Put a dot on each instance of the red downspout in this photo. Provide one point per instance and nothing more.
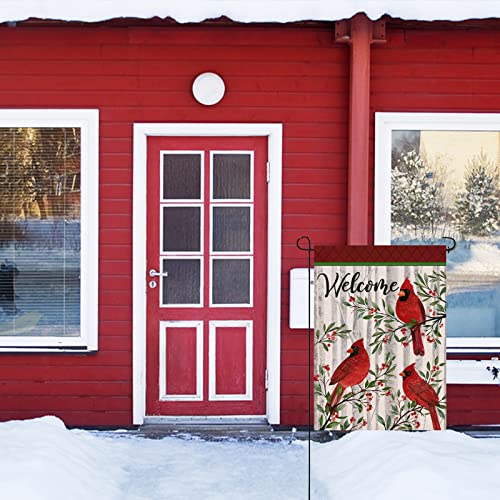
(359, 32)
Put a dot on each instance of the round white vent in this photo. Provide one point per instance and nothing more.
(208, 88)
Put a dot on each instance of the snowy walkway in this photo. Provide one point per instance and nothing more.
(180, 468)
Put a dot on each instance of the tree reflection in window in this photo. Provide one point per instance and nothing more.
(40, 231)
(447, 183)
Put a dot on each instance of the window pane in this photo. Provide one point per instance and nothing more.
(231, 176)
(40, 231)
(181, 229)
(231, 281)
(182, 285)
(231, 229)
(181, 176)
(445, 183)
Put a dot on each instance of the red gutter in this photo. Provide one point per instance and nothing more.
(359, 32)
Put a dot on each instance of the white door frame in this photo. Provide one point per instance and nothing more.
(274, 133)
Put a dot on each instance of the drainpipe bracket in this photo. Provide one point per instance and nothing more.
(343, 30)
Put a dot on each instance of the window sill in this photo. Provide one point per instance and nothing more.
(471, 371)
(47, 350)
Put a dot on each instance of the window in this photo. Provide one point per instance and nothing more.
(438, 175)
(48, 229)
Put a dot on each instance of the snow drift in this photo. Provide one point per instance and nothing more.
(391, 465)
(42, 460)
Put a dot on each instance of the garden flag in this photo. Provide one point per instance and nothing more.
(380, 351)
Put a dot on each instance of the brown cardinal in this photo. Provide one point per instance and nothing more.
(409, 308)
(352, 371)
(418, 390)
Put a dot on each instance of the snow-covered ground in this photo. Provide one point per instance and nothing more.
(42, 460)
(483, 261)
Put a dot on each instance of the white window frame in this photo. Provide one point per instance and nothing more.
(385, 123)
(88, 122)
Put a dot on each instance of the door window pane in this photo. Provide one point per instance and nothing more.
(181, 229)
(231, 229)
(181, 176)
(40, 231)
(231, 281)
(231, 176)
(182, 285)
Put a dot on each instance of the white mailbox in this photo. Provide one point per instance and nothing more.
(299, 281)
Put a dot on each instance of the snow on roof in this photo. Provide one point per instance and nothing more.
(247, 11)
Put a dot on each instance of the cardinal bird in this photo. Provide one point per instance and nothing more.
(409, 308)
(418, 390)
(352, 371)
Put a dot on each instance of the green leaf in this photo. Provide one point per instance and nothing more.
(380, 420)
(390, 309)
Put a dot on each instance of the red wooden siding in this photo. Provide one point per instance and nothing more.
(295, 75)
(442, 70)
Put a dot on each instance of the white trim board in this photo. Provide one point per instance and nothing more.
(274, 134)
(88, 122)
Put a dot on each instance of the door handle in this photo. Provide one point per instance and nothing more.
(154, 272)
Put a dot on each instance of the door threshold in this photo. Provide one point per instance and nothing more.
(209, 423)
(230, 420)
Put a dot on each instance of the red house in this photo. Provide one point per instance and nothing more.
(208, 141)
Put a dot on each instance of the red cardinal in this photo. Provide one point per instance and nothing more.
(409, 308)
(352, 371)
(418, 390)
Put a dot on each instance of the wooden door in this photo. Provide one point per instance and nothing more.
(207, 274)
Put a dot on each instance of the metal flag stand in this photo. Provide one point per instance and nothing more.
(308, 249)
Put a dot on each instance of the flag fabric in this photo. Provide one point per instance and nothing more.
(379, 340)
